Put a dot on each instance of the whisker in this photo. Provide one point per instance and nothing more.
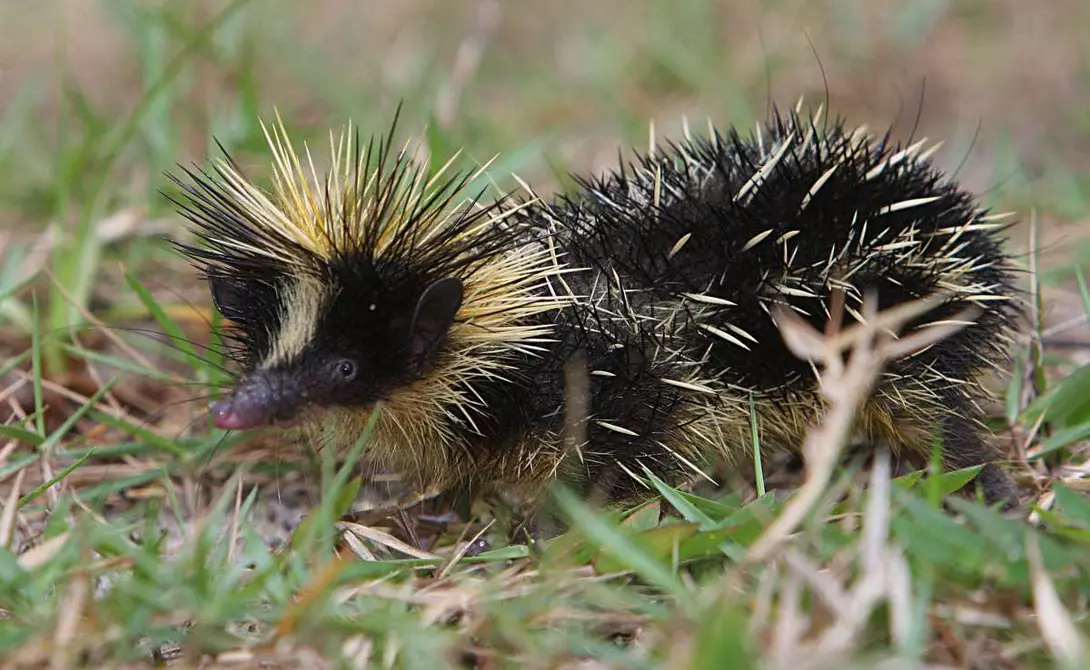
(171, 344)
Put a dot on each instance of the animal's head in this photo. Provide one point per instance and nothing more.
(344, 340)
(346, 293)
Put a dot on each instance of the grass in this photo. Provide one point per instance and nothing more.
(132, 533)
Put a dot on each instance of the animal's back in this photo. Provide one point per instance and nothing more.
(684, 252)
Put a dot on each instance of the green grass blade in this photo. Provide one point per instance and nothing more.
(37, 491)
(55, 437)
(157, 441)
(623, 549)
(21, 435)
(165, 322)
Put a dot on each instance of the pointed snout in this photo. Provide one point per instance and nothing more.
(259, 400)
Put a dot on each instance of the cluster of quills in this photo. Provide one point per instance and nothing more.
(382, 284)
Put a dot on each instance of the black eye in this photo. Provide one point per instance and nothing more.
(347, 370)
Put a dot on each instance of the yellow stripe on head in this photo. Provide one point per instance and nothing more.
(301, 305)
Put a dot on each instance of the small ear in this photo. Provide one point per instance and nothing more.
(433, 316)
(227, 296)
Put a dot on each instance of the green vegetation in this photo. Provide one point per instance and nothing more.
(131, 532)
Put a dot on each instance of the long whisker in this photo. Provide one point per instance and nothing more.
(171, 343)
(156, 414)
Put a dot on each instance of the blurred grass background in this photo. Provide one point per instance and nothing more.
(571, 79)
(99, 97)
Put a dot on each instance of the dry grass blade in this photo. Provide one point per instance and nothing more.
(466, 62)
(872, 587)
(883, 577)
(65, 636)
(810, 345)
(236, 517)
(11, 508)
(458, 555)
(384, 539)
(845, 386)
(1057, 628)
(877, 514)
(356, 545)
(792, 623)
(43, 553)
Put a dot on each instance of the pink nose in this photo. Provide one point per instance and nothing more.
(227, 416)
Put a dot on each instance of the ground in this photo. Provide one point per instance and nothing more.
(114, 492)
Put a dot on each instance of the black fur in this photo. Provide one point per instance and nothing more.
(611, 226)
(614, 230)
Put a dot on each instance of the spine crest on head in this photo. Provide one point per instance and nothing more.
(429, 290)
